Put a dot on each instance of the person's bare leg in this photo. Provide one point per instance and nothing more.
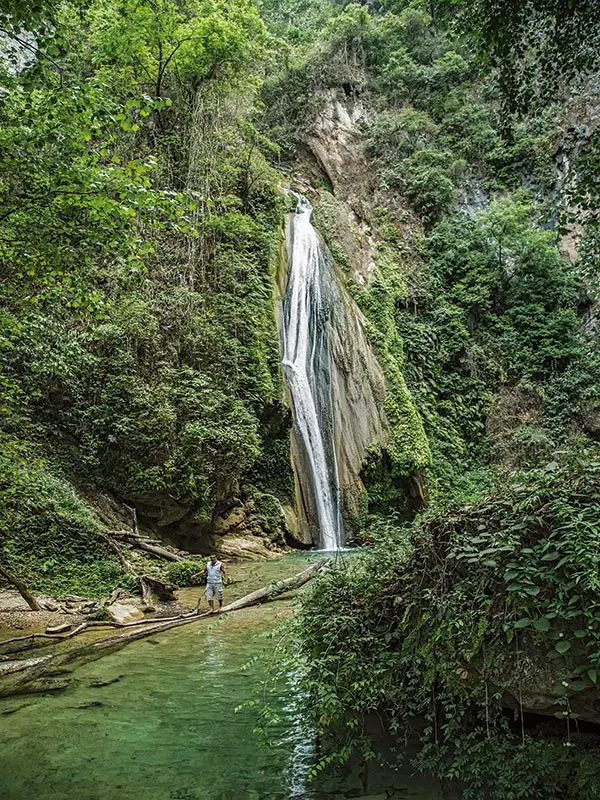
(211, 603)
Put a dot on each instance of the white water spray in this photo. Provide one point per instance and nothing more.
(307, 307)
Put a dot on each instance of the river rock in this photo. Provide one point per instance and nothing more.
(123, 611)
(105, 682)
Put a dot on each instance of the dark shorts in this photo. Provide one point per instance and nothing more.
(214, 591)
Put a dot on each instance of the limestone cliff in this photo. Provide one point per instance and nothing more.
(358, 420)
(372, 412)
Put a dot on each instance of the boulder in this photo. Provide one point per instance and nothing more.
(235, 518)
(124, 611)
(251, 548)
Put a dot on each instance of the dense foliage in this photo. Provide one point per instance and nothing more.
(462, 622)
(143, 144)
(140, 222)
(484, 317)
(476, 143)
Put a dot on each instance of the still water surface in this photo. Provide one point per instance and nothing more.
(166, 728)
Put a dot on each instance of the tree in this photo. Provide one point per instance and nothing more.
(539, 47)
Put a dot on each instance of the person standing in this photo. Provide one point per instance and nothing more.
(215, 572)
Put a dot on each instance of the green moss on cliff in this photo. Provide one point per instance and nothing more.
(408, 451)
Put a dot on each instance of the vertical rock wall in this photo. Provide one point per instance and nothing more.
(358, 421)
(373, 412)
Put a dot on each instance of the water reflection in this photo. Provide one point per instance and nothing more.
(157, 720)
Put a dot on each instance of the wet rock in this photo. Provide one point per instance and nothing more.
(107, 682)
(89, 704)
(232, 520)
(46, 685)
(13, 709)
(252, 548)
(292, 525)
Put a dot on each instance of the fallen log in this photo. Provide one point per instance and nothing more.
(32, 638)
(140, 544)
(21, 588)
(122, 534)
(164, 589)
(15, 676)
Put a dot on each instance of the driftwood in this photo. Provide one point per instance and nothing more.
(134, 520)
(143, 544)
(147, 583)
(161, 588)
(21, 588)
(130, 535)
(140, 543)
(15, 677)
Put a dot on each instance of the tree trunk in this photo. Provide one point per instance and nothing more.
(157, 551)
(21, 588)
(147, 584)
(164, 590)
(18, 675)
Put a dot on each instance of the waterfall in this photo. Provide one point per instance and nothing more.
(307, 308)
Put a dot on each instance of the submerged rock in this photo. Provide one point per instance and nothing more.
(99, 682)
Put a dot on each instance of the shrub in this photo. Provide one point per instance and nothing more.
(181, 572)
(432, 631)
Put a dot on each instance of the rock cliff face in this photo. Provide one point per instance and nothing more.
(358, 393)
(334, 154)
(358, 419)
(335, 143)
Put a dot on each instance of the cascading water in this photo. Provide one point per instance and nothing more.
(307, 307)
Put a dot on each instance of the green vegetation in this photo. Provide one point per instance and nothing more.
(140, 220)
(470, 612)
(48, 535)
(142, 150)
(498, 308)
(473, 303)
(182, 573)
